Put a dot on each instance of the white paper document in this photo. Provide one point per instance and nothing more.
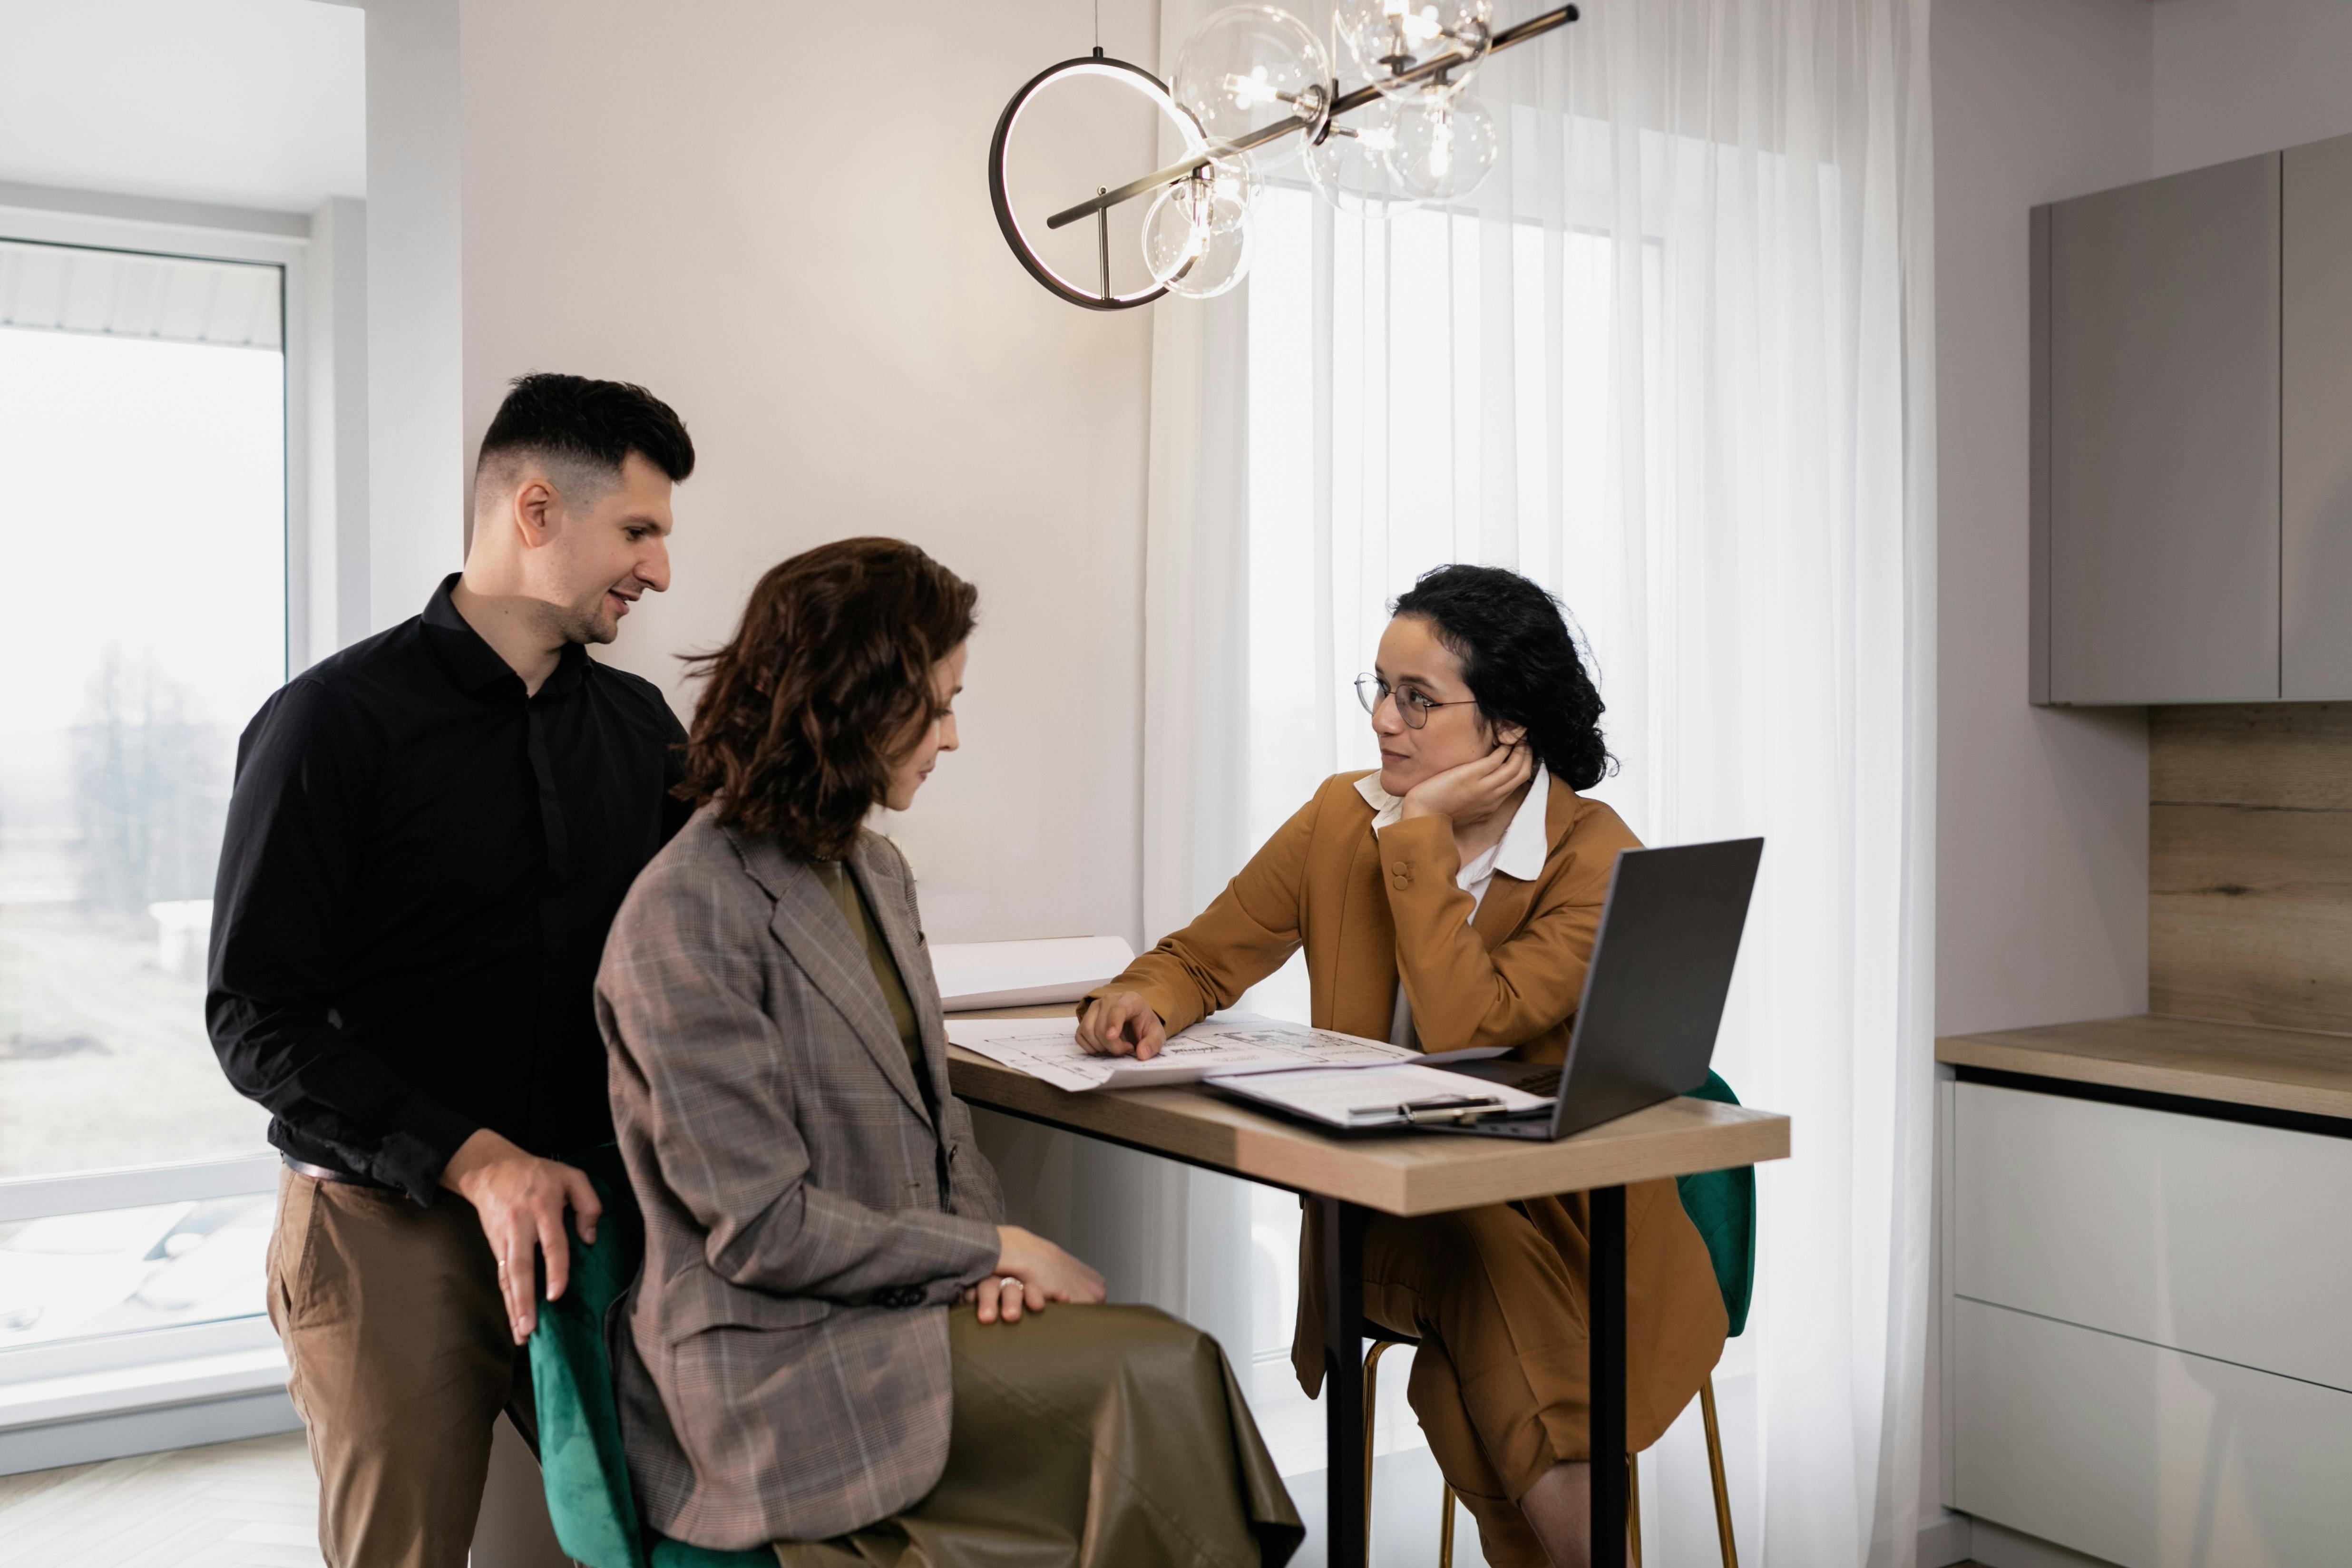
(973, 974)
(1378, 1096)
(1229, 1043)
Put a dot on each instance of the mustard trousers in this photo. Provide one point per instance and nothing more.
(1495, 1296)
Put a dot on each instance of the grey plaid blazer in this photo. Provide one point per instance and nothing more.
(782, 1362)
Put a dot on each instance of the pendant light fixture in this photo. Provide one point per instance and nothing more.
(1254, 90)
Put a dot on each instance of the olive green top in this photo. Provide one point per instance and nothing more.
(852, 900)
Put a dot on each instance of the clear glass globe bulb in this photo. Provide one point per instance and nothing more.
(1443, 147)
(1234, 182)
(1249, 67)
(1196, 239)
(1389, 38)
(1350, 169)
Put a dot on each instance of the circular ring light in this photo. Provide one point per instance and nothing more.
(1077, 290)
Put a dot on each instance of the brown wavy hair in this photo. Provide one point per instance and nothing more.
(797, 729)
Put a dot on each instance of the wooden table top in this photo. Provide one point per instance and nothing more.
(1404, 1173)
(2238, 1064)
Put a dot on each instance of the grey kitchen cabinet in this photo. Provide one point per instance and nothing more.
(2156, 441)
(2315, 427)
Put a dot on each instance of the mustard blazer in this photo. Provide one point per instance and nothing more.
(1365, 905)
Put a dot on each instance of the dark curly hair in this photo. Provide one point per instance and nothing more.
(794, 735)
(1520, 661)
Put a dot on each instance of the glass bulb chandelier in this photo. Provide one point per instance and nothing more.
(1252, 89)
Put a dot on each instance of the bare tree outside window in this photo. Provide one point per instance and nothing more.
(143, 488)
(149, 794)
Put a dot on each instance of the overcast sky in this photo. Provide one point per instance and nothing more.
(141, 503)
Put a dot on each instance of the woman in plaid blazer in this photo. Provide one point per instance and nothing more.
(835, 1332)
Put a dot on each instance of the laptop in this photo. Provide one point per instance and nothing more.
(1653, 997)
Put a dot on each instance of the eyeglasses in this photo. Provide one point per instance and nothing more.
(1412, 706)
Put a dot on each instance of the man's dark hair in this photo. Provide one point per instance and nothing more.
(808, 707)
(587, 426)
(1520, 661)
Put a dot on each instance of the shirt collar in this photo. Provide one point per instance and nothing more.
(474, 665)
(1524, 847)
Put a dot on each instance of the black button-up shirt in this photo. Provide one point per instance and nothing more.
(420, 866)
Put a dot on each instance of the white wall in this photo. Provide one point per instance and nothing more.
(801, 257)
(795, 249)
(416, 430)
(2235, 77)
(332, 606)
(2042, 866)
(251, 103)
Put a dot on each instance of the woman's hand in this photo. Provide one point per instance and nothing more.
(1121, 1024)
(1474, 791)
(1031, 1271)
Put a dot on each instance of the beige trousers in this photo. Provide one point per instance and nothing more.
(401, 1359)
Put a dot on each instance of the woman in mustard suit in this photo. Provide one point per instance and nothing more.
(1451, 900)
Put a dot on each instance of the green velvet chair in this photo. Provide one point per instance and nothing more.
(580, 1457)
(1722, 1205)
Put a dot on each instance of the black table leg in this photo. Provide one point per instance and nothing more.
(1605, 1285)
(1343, 1382)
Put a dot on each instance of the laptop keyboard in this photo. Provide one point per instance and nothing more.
(1529, 1077)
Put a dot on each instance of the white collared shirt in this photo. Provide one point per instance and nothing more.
(1519, 854)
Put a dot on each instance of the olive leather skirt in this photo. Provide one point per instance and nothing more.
(1101, 1436)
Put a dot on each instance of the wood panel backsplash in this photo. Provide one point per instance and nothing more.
(2249, 864)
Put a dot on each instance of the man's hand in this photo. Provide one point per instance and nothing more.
(1121, 1024)
(520, 1198)
(1030, 1272)
(1474, 791)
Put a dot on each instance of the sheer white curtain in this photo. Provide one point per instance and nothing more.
(1672, 360)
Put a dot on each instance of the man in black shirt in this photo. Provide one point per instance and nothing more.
(428, 838)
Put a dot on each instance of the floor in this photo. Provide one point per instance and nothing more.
(232, 1505)
(251, 1504)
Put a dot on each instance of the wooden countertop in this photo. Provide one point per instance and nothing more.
(2237, 1064)
(1426, 1173)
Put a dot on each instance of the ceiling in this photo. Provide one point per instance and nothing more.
(255, 103)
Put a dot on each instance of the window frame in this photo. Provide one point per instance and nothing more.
(272, 239)
(284, 244)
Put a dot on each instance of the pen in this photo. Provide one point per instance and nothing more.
(1450, 1104)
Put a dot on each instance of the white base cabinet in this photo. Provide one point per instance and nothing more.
(2146, 1456)
(2150, 1332)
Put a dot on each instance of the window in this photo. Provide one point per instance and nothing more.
(1405, 459)
(1406, 409)
(143, 495)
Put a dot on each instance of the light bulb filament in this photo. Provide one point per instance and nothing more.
(1251, 90)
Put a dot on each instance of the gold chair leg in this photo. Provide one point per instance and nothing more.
(1445, 1530)
(1714, 1469)
(1371, 1408)
(1634, 1505)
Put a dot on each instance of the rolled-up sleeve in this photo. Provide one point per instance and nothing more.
(280, 917)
